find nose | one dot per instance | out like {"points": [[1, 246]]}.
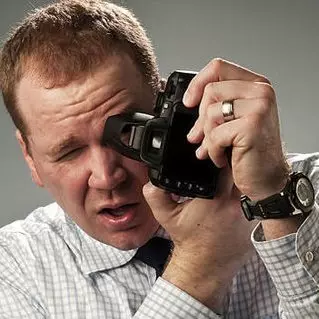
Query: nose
{"points": [[106, 170]]}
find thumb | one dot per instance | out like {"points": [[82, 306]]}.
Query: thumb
{"points": [[159, 200]]}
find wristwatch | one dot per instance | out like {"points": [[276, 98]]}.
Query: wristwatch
{"points": [[297, 198]]}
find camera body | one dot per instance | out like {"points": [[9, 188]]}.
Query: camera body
{"points": [[160, 141]]}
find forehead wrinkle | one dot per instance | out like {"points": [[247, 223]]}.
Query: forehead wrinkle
{"points": [[77, 98], [83, 109]]}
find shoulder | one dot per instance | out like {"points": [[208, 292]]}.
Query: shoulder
{"points": [[28, 238], [33, 250], [43, 219]]}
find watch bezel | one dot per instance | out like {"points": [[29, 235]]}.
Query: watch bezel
{"points": [[300, 180]]}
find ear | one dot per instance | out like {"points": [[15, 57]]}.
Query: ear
{"points": [[28, 158]]}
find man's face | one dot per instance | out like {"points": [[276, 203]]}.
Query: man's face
{"points": [[100, 189]]}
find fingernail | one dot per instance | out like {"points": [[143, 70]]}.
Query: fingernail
{"points": [[191, 134], [199, 153]]}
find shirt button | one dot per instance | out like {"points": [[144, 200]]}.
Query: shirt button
{"points": [[309, 256]]}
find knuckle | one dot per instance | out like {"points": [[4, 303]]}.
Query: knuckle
{"points": [[267, 91], [209, 87], [214, 116], [217, 64], [210, 112], [266, 94], [263, 79], [263, 106], [212, 92]]}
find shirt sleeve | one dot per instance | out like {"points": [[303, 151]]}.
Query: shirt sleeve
{"points": [[293, 264], [293, 260], [168, 301]]}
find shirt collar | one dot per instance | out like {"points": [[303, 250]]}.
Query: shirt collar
{"points": [[91, 254]]}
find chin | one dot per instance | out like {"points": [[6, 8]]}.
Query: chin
{"points": [[130, 241], [125, 245]]}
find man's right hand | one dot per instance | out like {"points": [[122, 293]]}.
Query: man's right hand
{"points": [[211, 240]]}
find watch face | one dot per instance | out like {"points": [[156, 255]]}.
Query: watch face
{"points": [[305, 192]]}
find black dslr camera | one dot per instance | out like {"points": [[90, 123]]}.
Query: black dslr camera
{"points": [[160, 141]]}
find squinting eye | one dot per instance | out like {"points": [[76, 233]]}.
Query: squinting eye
{"points": [[70, 155]]}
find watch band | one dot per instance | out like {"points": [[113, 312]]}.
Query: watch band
{"points": [[275, 206], [297, 198]]}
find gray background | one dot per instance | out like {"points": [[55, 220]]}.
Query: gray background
{"points": [[279, 38]]}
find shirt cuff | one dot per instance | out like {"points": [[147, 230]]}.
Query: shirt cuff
{"points": [[292, 260], [168, 301]]}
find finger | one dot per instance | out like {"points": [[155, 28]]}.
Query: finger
{"points": [[234, 90], [229, 134], [214, 116], [215, 71], [215, 143], [202, 153], [241, 109], [240, 134], [196, 134], [160, 201], [205, 151], [228, 90]]}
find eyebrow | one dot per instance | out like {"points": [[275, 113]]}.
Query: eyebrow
{"points": [[63, 146]]}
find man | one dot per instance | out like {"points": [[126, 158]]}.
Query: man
{"points": [[67, 68]]}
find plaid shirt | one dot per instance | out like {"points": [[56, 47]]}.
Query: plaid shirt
{"points": [[50, 268]]}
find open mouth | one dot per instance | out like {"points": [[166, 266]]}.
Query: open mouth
{"points": [[117, 212]]}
